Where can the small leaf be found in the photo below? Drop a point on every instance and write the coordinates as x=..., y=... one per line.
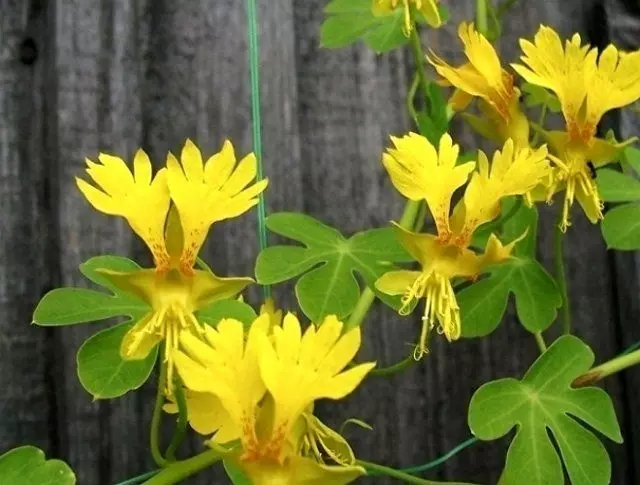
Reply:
x=621, y=227
x=67, y=306
x=221, y=309
x=235, y=474
x=544, y=401
x=342, y=30
x=483, y=303
x=617, y=187
x=27, y=465
x=525, y=220
x=387, y=34
x=632, y=157
x=101, y=369
x=328, y=263
x=536, y=95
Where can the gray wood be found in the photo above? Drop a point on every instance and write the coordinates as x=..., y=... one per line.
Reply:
x=113, y=76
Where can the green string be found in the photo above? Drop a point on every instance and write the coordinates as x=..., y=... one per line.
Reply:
x=442, y=459
x=254, y=71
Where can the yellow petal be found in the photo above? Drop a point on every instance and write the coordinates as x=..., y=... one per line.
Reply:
x=143, y=202
x=396, y=282
x=431, y=13
x=423, y=247
x=138, y=342
x=206, y=288
x=208, y=194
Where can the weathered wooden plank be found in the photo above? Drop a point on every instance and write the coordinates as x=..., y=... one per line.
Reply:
x=27, y=398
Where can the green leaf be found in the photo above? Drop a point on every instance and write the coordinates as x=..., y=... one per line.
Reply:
x=235, y=474
x=349, y=20
x=101, y=369
x=631, y=155
x=220, y=309
x=544, y=401
x=524, y=220
x=621, y=227
x=536, y=95
x=67, y=306
x=615, y=186
x=483, y=303
x=27, y=465
x=328, y=263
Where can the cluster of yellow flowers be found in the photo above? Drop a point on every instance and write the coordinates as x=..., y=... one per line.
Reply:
x=254, y=387
x=587, y=86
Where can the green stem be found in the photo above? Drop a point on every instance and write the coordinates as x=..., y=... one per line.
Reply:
x=139, y=478
x=482, y=17
x=561, y=278
x=442, y=459
x=157, y=413
x=611, y=367
x=375, y=469
x=541, y=120
x=540, y=341
x=179, y=470
x=418, y=55
x=411, y=95
x=420, y=217
x=395, y=368
x=180, y=430
x=368, y=296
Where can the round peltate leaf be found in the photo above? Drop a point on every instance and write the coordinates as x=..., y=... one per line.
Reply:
x=101, y=369
x=27, y=465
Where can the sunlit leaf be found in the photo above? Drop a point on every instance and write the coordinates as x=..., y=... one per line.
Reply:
x=27, y=465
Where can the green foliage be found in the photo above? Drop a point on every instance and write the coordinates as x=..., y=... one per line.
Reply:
x=539, y=96
x=482, y=304
x=220, y=309
x=621, y=225
x=235, y=474
x=544, y=401
x=328, y=263
x=349, y=20
x=27, y=465
x=67, y=306
x=101, y=369
x=434, y=124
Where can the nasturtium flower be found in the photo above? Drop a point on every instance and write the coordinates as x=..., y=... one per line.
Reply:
x=201, y=194
x=419, y=172
x=587, y=86
x=267, y=383
x=484, y=77
x=428, y=8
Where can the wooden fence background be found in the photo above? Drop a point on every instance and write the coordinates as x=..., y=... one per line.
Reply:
x=116, y=75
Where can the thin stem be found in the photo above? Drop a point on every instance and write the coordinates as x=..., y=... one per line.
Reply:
x=368, y=296
x=561, y=277
x=482, y=18
x=419, y=57
x=542, y=345
x=411, y=95
x=442, y=459
x=611, y=367
x=157, y=413
x=375, y=469
x=179, y=470
x=541, y=120
x=395, y=368
x=180, y=430
x=139, y=478
x=420, y=218
x=254, y=73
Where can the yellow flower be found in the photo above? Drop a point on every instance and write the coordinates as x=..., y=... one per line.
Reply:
x=280, y=440
x=587, y=86
x=418, y=172
x=484, y=77
x=201, y=194
x=428, y=8
x=269, y=308
x=575, y=162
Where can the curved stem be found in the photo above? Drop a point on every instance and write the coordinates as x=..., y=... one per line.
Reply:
x=375, y=469
x=395, y=368
x=420, y=217
x=157, y=413
x=561, y=277
x=611, y=367
x=543, y=116
x=419, y=57
x=542, y=345
x=482, y=18
x=368, y=296
x=179, y=470
x=139, y=478
x=181, y=426
x=442, y=459
x=411, y=95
